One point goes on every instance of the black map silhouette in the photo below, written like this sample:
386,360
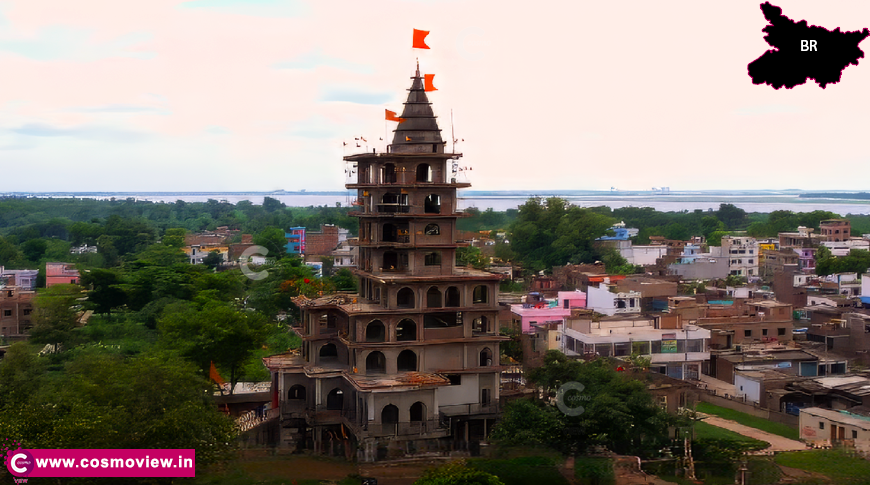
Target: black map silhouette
793,59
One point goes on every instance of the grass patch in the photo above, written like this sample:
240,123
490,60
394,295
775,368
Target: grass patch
279,470
590,470
748,420
836,464
540,470
710,432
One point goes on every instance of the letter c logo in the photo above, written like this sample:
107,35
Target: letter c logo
14,463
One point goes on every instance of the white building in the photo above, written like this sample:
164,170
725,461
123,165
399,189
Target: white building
601,300
742,253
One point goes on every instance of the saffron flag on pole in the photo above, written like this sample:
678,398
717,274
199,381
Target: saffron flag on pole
420,39
427,82
213,375
391,116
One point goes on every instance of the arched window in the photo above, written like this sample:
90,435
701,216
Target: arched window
406,330
432,230
432,204
407,361
480,294
485,357
328,352
389,173
376,363
405,298
452,297
424,173
335,400
296,392
433,298
376,332
620,303
390,414
479,324
418,411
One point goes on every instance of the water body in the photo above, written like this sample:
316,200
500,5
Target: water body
755,201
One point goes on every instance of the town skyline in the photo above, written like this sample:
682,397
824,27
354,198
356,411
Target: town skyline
226,95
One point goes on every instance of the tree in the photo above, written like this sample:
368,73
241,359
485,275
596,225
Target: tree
105,291
731,215
174,237
54,317
213,260
344,280
215,333
471,256
272,239
457,473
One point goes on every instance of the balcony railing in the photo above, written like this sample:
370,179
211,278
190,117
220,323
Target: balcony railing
394,208
473,408
404,429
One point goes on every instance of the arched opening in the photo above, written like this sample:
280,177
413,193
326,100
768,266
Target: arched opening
407,361
480,294
376,363
376,332
390,414
432,204
452,297
335,400
389,233
328,353
486,357
391,260
620,303
432,230
479,324
389,173
433,298
296,392
424,173
406,330
418,411
405,298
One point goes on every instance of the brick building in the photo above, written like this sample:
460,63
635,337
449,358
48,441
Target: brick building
61,274
16,307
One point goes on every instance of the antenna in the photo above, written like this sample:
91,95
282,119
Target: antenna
452,132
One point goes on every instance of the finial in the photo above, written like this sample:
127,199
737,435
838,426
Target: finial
418,67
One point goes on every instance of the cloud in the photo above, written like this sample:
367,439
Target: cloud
315,127
766,109
316,59
217,130
70,43
263,8
85,132
354,95
120,108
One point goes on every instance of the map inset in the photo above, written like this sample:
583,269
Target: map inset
802,52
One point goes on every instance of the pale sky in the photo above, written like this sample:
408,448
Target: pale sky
234,95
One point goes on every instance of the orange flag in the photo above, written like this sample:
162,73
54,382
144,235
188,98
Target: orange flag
420,39
391,116
213,375
427,82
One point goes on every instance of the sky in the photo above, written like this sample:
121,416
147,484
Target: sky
260,95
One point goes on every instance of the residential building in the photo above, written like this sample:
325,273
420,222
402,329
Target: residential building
412,361
16,308
835,230
803,238
320,244
606,302
678,350
826,427
844,247
196,253
24,279
537,311
742,253
295,240
61,274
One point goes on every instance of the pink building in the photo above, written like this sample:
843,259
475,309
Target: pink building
537,311
61,274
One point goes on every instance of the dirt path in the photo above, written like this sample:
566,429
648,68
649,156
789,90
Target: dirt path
777,443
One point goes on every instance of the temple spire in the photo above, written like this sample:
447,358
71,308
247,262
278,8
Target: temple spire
419,133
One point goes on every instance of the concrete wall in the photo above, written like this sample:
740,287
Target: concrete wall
465,393
775,416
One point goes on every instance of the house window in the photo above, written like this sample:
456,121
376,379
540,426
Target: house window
7,313
455,379
854,434
821,425
747,333
764,332
432,230
780,331
433,259
27,311
662,401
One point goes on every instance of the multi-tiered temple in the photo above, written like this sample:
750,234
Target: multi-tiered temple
411,363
